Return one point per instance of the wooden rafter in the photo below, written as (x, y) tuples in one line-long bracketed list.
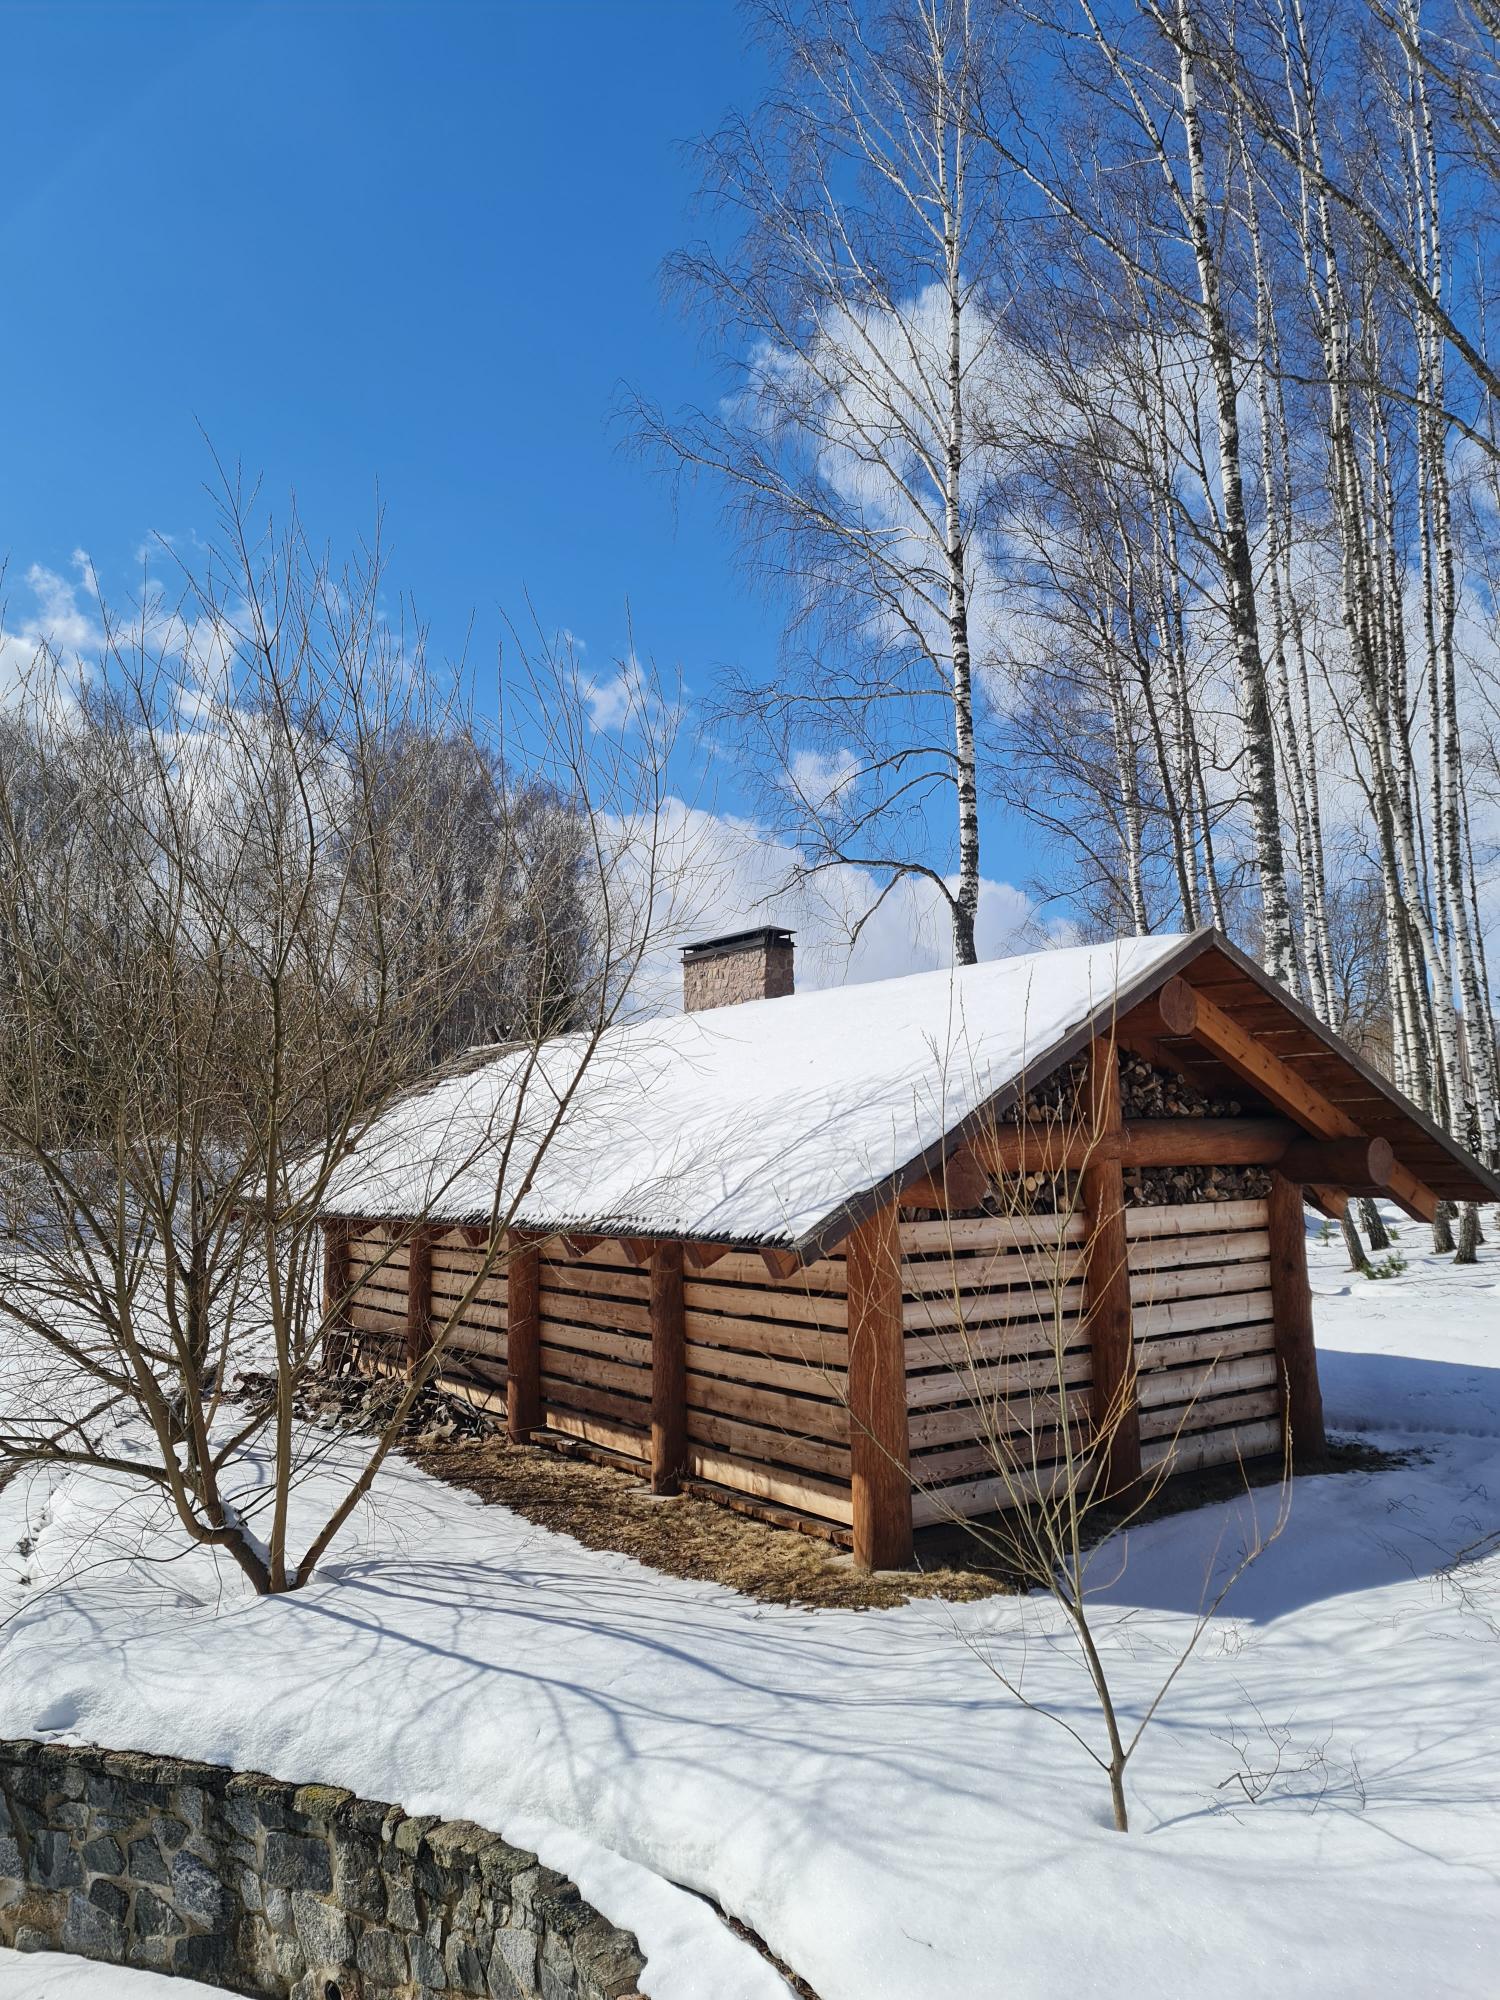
[(1291, 1092)]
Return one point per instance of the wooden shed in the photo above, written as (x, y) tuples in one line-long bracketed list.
[(810, 1254)]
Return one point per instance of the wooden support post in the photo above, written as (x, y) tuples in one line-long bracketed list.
[(668, 1370), (336, 1337), (1291, 1311), (1107, 1275), (418, 1296), (879, 1434), (523, 1341)]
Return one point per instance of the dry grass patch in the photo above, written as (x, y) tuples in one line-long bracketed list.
[(608, 1509)]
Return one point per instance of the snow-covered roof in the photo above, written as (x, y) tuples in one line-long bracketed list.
[(759, 1123)]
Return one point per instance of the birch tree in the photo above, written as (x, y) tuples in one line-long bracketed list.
[(851, 309)]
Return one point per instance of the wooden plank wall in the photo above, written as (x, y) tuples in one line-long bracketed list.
[(596, 1347), (983, 1304), (1200, 1286), (767, 1387), (379, 1264)]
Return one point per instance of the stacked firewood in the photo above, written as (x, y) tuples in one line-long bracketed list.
[(1145, 1092), (1158, 1187)]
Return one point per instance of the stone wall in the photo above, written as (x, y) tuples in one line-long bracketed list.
[(294, 1892)]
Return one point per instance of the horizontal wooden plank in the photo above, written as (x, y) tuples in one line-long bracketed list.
[(980, 1308), (492, 1291), (822, 1498), (1170, 1253), (564, 1364), (1023, 1454), (1213, 1413), (983, 1496), (1195, 1218), (622, 1438), (590, 1281), (990, 1232), (771, 1409), (1162, 1387), (1189, 1315), (981, 1418), (991, 1270), (787, 1307), (471, 1315), (466, 1339), (371, 1320), (607, 1256), (765, 1369), (1172, 1350), (593, 1340), (747, 1267), (1221, 1447), (1000, 1378), (574, 1309), (569, 1395), (759, 1336), (1199, 1281), (768, 1446), (965, 1346)]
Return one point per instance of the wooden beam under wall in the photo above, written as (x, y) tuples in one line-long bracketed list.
[(418, 1296), (668, 1370), (1106, 1282), (879, 1435), (523, 1341), (1291, 1313)]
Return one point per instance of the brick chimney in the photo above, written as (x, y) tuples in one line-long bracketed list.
[(746, 965)]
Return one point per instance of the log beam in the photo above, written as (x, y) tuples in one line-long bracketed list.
[(668, 1370), (523, 1342), (1291, 1092), (962, 1181), (1291, 1312), (1107, 1277), (1359, 1166), (879, 1434), (335, 1293), (418, 1296)]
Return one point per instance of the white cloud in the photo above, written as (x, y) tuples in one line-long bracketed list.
[(722, 873), (63, 620)]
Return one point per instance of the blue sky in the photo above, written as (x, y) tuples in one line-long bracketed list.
[(412, 246)]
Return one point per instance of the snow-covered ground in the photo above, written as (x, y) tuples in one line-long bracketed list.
[(857, 1787), (56, 1975)]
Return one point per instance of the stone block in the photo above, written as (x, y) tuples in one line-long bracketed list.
[(143, 1861), (428, 1969), (111, 1898), (410, 1834), (102, 1856), (197, 1890), (92, 1932), (11, 1869), (150, 1916), (512, 1970), (609, 1961), (292, 1861), (322, 1930), (54, 1862), (207, 1957), (382, 1956)]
